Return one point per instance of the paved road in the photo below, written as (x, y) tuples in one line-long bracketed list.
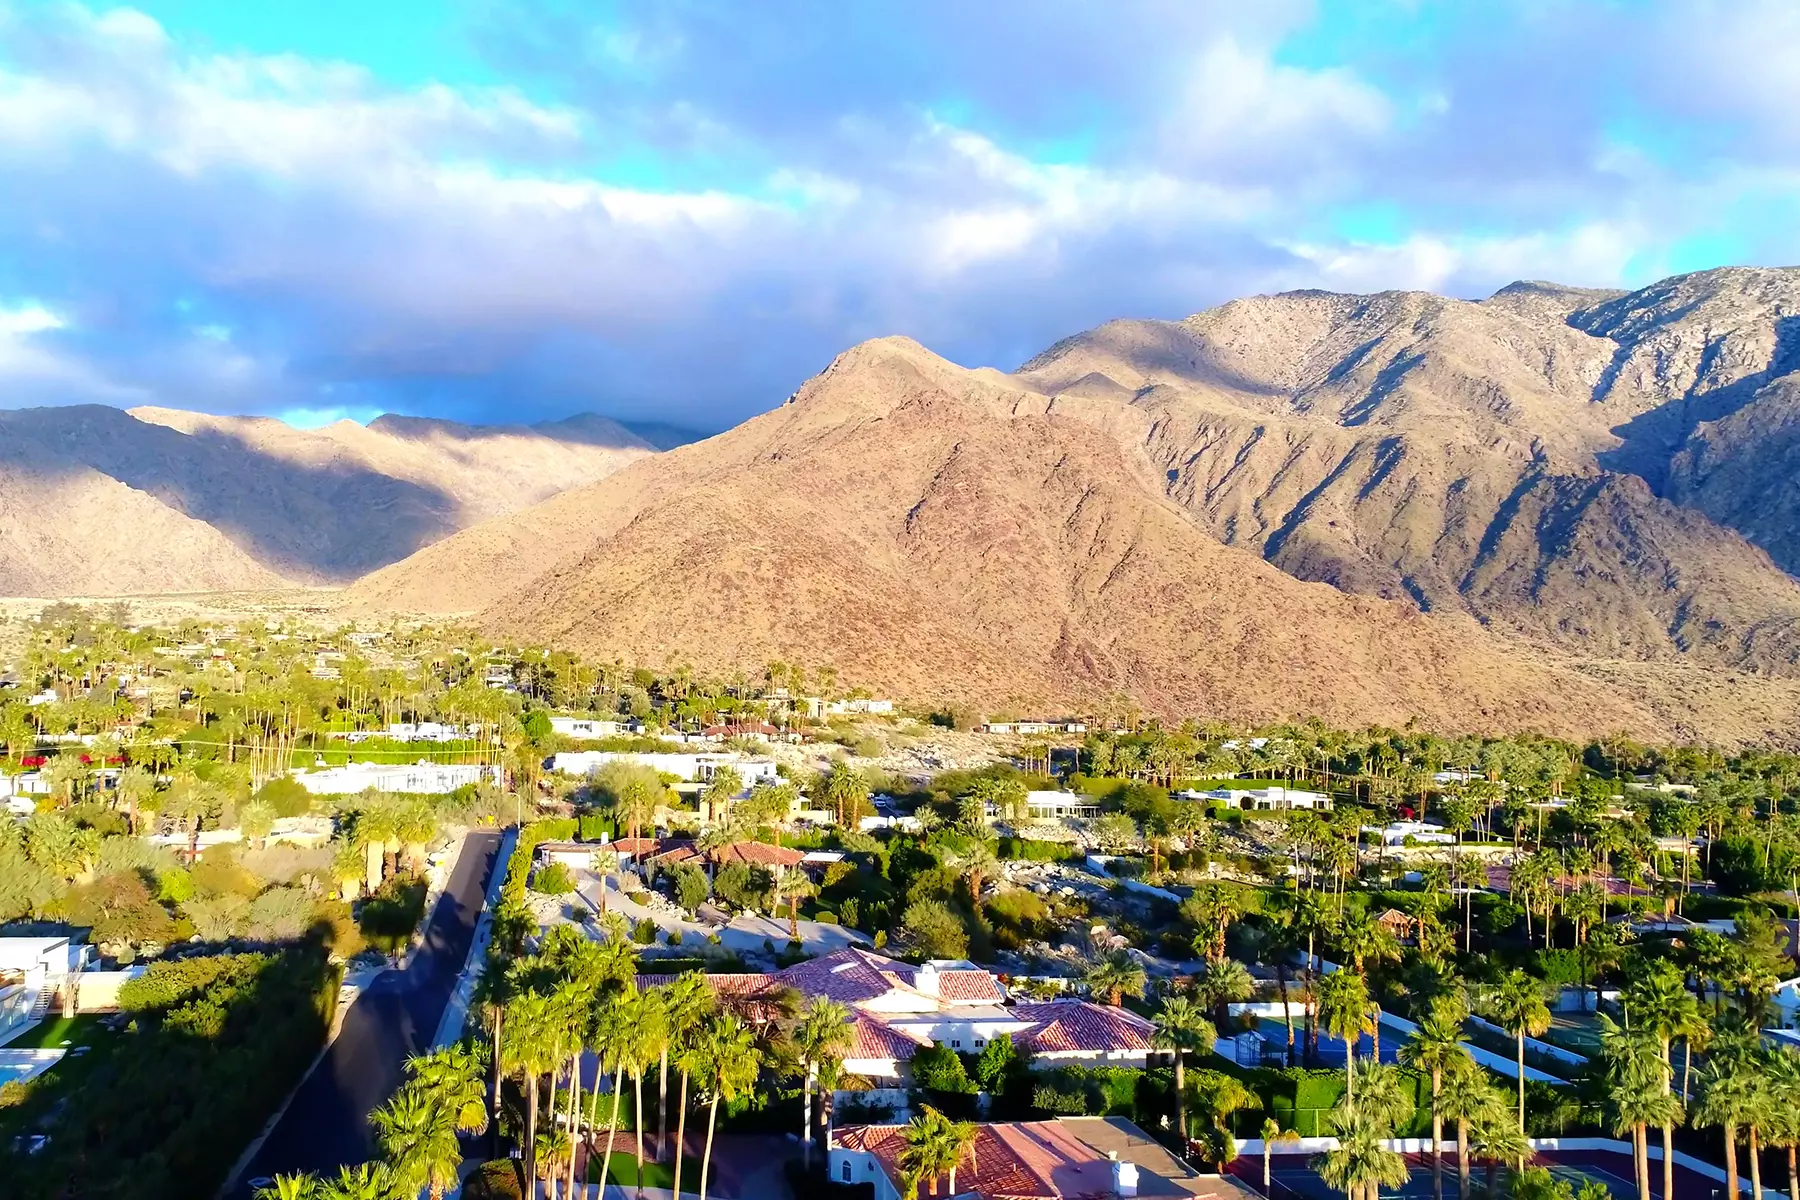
[(395, 1017)]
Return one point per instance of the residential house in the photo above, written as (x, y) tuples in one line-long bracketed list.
[(1025, 1160), (1057, 806), (1399, 924), (898, 1008), (1270, 799), (420, 778), (585, 728), (1398, 833), (690, 768), (1028, 728)]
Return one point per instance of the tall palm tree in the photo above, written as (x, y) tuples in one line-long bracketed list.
[(530, 1044), (1436, 1048), (822, 1035), (1361, 1163), (418, 1138), (1733, 1097), (1782, 1083), (687, 1002), (615, 1043), (649, 1042), (1659, 1003), (1181, 1027), (1517, 1003), (1345, 1013), (1470, 1098), (791, 887), (1500, 1140), (933, 1145), (731, 1061), (450, 1078), (1635, 1092)]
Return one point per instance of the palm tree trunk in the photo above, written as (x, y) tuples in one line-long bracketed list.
[(494, 1085), (1793, 1174), (1668, 1163), (1640, 1159), (1462, 1159), (1731, 1171), (1687, 1066), (531, 1099), (612, 1128), (1755, 1165), (1181, 1124), (806, 1121), (637, 1121), (1287, 1013), (662, 1108), (712, 1121), (574, 1114), (1521, 1038), (1437, 1136), (680, 1133)]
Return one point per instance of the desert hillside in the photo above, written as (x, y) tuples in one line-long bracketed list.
[(942, 533), (96, 501), (1608, 472)]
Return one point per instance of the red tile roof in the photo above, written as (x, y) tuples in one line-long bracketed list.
[(1033, 1160), (752, 997), (969, 987), (1080, 1025), (871, 1037)]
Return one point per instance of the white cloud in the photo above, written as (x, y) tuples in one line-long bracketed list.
[(30, 318)]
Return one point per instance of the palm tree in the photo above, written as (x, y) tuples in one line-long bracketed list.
[(1222, 1097), (1517, 1004), (1273, 1133), (1437, 1047), (290, 1187), (1659, 1004), (933, 1145), (1345, 1013), (1470, 1099), (687, 1002), (418, 1137), (450, 1078), (1361, 1163), (822, 1035), (364, 1181), (1181, 1026), (1782, 1083), (1732, 1096), (792, 886), (1499, 1140), (615, 1043), (649, 1042), (605, 864), (530, 1045), (1222, 983), (690, 1019), (1635, 1092), (1113, 976), (731, 1062)]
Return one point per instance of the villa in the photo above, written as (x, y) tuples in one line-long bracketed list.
[(1269, 799), (689, 768), (898, 1009)]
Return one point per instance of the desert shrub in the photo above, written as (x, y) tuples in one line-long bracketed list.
[(217, 918), (745, 885), (387, 919), (552, 880), (870, 747), (937, 1068), (280, 914), (1034, 851), (119, 909), (688, 884), (285, 797), (644, 932), (848, 911), (934, 930)]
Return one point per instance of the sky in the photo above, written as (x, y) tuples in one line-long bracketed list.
[(678, 210)]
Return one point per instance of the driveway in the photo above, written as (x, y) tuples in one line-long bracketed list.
[(394, 1018)]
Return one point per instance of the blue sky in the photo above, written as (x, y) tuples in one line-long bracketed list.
[(678, 210)]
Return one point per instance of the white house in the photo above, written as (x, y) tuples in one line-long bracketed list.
[(1035, 727), (32, 967), (585, 728), (1270, 799), (421, 778), (1055, 806), (691, 768), (1421, 832)]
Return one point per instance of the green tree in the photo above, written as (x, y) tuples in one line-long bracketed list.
[(1115, 975), (1181, 1026), (1437, 1049), (1346, 1013), (822, 1036), (418, 1137), (1516, 1003)]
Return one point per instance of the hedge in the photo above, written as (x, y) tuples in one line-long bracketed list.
[(1035, 851), (166, 1108)]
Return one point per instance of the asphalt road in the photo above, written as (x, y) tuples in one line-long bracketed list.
[(396, 1017)]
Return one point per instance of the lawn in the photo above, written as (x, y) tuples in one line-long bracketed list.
[(64, 1033), (33, 1103), (656, 1175)]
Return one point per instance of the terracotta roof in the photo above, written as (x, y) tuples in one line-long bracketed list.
[(848, 976), (758, 852), (1030, 1160), (874, 1038), (969, 986), (1072, 1025), (752, 997)]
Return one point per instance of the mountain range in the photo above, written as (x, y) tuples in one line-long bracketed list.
[(1555, 508)]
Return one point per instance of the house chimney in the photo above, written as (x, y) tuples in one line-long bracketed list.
[(1124, 1176), (925, 979)]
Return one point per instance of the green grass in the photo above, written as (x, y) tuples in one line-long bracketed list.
[(623, 1171), (52, 1032)]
